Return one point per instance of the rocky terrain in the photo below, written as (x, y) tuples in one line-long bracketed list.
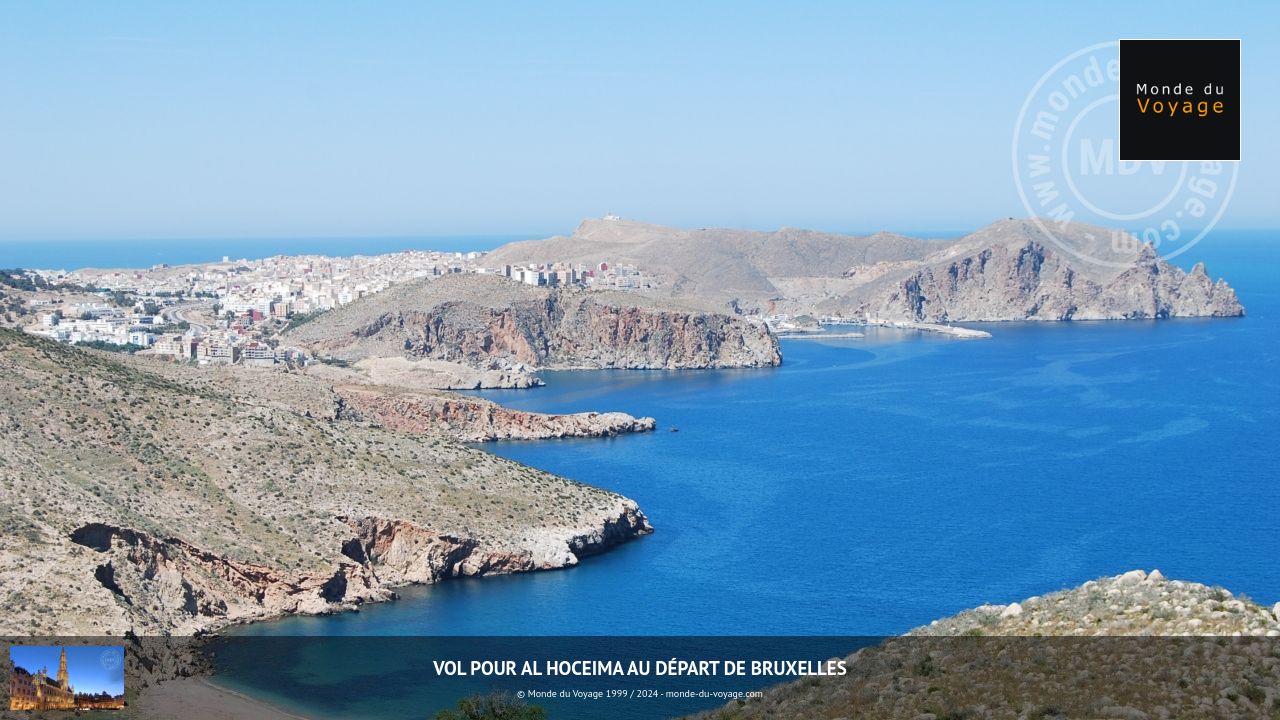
[(483, 321), (428, 374), (1132, 646), (155, 498), (473, 419), (1009, 270), (713, 262)]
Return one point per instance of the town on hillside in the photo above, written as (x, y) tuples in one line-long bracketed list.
[(231, 312)]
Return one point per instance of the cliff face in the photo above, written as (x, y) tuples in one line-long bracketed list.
[(478, 320), (1009, 270), (395, 552), (170, 583), (1032, 281), (474, 419)]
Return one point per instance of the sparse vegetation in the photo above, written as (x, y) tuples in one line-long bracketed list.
[(250, 472), (492, 707)]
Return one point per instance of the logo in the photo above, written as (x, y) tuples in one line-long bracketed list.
[(1067, 169), (1180, 100), (112, 658)]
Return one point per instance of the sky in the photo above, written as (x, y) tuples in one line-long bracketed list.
[(244, 119), (86, 669)]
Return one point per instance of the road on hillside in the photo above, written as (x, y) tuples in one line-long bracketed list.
[(177, 314)]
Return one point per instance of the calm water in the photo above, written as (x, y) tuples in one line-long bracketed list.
[(869, 486), (73, 254)]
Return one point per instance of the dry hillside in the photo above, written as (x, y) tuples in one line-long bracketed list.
[(163, 498)]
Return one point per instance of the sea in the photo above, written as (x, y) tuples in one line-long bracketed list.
[(863, 488), (74, 254)]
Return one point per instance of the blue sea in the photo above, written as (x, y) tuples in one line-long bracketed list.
[(865, 487), (868, 486), (75, 254)]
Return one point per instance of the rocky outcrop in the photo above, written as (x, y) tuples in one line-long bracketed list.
[(1011, 271), (172, 583), (397, 552), (476, 420), (1134, 603), (168, 582), (477, 320), (1136, 645)]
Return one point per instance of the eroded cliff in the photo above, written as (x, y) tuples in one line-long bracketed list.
[(480, 319), (1010, 271)]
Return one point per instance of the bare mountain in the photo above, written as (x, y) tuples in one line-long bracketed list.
[(1009, 270), (715, 262)]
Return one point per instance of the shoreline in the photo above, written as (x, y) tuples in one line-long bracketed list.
[(200, 698)]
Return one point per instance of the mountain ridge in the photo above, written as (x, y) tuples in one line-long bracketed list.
[(1008, 270)]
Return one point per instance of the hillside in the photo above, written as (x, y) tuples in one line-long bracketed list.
[(1009, 270), (1135, 646), (162, 498), (716, 262), (487, 321)]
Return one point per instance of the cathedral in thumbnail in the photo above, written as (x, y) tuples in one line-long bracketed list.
[(38, 691)]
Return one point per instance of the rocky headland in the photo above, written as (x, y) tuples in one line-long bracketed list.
[(483, 320), (155, 499), (1009, 270), (472, 419), (1132, 646)]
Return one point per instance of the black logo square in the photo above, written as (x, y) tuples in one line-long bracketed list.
[(1179, 99)]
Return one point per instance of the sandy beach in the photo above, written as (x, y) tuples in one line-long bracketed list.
[(199, 699)]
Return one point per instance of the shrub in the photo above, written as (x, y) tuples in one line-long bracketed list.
[(492, 707)]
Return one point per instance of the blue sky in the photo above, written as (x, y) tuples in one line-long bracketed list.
[(85, 668), (172, 119)]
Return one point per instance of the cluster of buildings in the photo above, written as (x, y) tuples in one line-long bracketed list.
[(601, 276), (225, 349), (98, 323), (279, 286), (39, 691), (250, 292), (286, 285), (234, 340)]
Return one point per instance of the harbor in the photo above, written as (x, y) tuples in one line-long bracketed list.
[(819, 335), (951, 330)]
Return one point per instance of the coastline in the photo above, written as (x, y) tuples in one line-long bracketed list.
[(199, 698)]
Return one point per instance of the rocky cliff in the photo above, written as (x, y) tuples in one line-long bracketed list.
[(1011, 271), (190, 499), (477, 320), (473, 419), (170, 583), (1136, 645)]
